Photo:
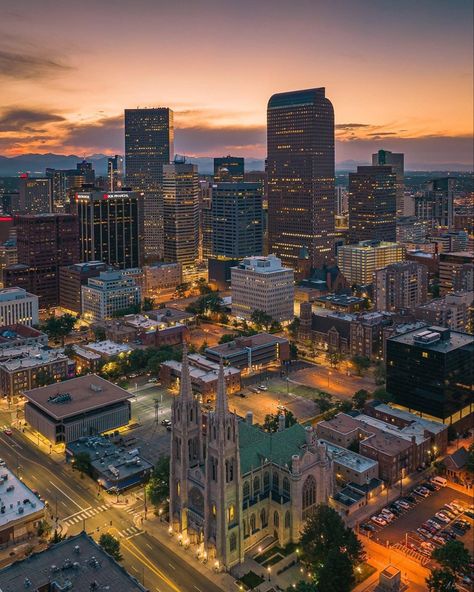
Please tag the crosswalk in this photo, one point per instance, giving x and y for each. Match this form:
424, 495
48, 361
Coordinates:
130, 532
85, 514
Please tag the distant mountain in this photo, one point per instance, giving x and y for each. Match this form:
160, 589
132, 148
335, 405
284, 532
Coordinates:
37, 163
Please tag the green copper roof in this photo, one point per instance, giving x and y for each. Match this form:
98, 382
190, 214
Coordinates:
257, 445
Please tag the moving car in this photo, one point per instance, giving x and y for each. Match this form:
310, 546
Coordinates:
8, 432
165, 422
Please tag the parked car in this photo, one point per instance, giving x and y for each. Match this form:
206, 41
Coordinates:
439, 540
434, 524
262, 387
421, 492
424, 532
429, 486
386, 512
410, 499
367, 527
403, 504
379, 520
442, 517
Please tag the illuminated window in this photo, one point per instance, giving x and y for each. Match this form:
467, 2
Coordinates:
425, 354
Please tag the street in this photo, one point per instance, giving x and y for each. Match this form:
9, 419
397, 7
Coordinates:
76, 504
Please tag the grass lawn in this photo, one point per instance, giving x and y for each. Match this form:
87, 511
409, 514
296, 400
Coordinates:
282, 551
251, 580
273, 559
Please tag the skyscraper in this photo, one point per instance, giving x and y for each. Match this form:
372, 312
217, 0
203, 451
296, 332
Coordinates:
228, 169
300, 166
181, 212
237, 220
397, 161
436, 202
372, 204
149, 138
115, 173
399, 286
35, 195
111, 227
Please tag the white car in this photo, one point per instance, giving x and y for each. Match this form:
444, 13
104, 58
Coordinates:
402, 504
442, 517
262, 387
379, 520
387, 514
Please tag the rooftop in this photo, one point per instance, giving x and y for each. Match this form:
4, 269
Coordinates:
29, 356
340, 299
240, 343
437, 339
434, 427
78, 560
349, 459
16, 499
77, 395
14, 293
261, 264
109, 348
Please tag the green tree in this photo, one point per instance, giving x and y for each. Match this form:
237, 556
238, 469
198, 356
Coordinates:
224, 319
261, 319
380, 373
148, 304
110, 545
57, 537
181, 289
44, 528
470, 460
293, 350
324, 402
380, 394
334, 359
344, 406
82, 463
294, 327
58, 327
272, 421
336, 572
227, 337
360, 398
203, 286
441, 580
99, 333
302, 586
324, 531
158, 487
453, 557
361, 363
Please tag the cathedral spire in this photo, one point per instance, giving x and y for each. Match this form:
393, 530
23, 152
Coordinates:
185, 389
221, 403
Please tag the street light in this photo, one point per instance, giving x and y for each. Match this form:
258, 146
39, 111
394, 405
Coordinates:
269, 569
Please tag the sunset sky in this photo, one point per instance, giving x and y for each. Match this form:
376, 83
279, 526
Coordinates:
399, 73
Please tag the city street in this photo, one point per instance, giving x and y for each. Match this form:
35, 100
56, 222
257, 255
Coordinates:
76, 504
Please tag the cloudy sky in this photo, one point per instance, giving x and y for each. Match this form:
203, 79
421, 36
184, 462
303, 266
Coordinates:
399, 74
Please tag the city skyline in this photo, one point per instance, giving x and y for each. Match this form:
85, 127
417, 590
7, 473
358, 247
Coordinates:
381, 67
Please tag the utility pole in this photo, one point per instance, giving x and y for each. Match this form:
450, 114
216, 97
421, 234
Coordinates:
157, 409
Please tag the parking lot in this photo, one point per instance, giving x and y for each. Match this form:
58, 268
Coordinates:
404, 527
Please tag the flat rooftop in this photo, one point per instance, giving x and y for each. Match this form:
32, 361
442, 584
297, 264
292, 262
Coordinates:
13, 496
107, 347
455, 340
77, 395
203, 375
240, 343
434, 427
340, 299
28, 356
349, 459
79, 560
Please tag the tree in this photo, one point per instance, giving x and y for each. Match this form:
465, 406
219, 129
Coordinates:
57, 537
293, 350
294, 327
44, 528
82, 463
470, 460
324, 402
99, 333
181, 289
158, 487
227, 337
336, 572
111, 545
69, 350
224, 319
334, 359
453, 557
360, 398
202, 348
361, 363
58, 327
203, 286
441, 580
261, 319
302, 586
380, 394
148, 304
324, 531
380, 373
344, 406
272, 420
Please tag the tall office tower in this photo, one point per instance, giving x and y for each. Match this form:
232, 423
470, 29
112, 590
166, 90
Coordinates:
342, 202
359, 262
436, 202
45, 242
205, 219
115, 173
35, 195
372, 204
228, 169
111, 227
397, 161
59, 187
237, 220
401, 286
181, 212
84, 169
149, 140
300, 167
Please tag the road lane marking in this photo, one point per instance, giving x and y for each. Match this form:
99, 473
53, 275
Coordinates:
198, 589
149, 546
172, 566
69, 498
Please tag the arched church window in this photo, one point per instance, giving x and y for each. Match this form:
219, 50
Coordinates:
276, 519
253, 523
286, 486
308, 495
287, 519
233, 542
246, 490
266, 481
256, 485
263, 518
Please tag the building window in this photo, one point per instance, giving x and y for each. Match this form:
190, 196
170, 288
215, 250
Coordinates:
253, 523
266, 481
256, 486
232, 542
287, 520
286, 486
246, 490
276, 482
308, 495
230, 513
276, 519
264, 518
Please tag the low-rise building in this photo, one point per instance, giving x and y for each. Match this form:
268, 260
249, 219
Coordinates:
77, 563
108, 349
262, 283
351, 466
85, 360
142, 329
451, 267
83, 406
251, 352
21, 510
204, 374
17, 306
23, 367
160, 280
340, 302
108, 294
71, 280
14, 336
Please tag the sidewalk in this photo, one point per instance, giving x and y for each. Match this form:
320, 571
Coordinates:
159, 530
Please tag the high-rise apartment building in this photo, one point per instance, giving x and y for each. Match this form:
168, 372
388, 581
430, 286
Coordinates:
149, 144
436, 202
228, 169
181, 212
455, 310
35, 195
111, 227
115, 173
359, 262
45, 242
452, 268
300, 167
205, 219
401, 286
397, 161
372, 204
237, 220
262, 283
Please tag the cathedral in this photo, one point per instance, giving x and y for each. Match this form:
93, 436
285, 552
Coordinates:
233, 484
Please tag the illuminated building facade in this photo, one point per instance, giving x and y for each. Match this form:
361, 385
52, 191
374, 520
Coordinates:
111, 227
396, 160
228, 169
372, 204
35, 195
359, 262
149, 144
401, 286
300, 167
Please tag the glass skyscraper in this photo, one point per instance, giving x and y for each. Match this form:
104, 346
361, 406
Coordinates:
300, 166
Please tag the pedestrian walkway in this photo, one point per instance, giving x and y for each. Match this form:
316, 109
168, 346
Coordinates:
130, 532
84, 515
